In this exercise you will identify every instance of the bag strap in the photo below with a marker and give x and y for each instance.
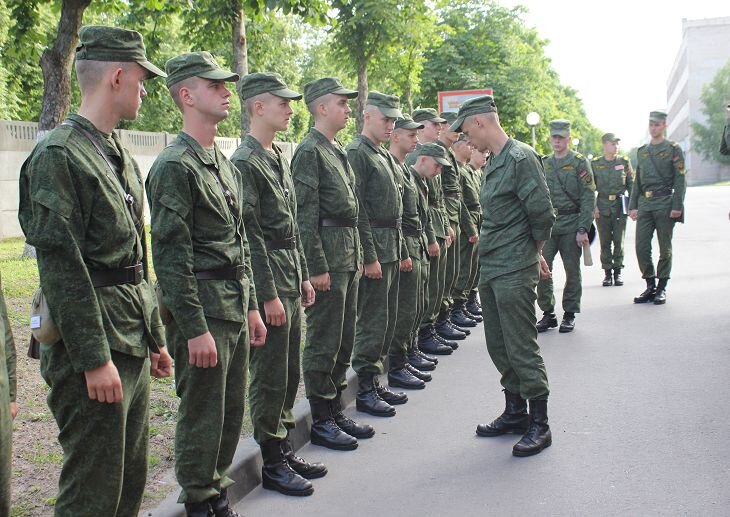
(656, 169)
(562, 185)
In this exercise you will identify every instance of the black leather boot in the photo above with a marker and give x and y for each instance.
(403, 378)
(538, 435)
(300, 465)
(617, 278)
(514, 419)
(476, 317)
(608, 279)
(460, 319)
(660, 296)
(444, 330)
(276, 474)
(368, 400)
(346, 423)
(568, 323)
(391, 397)
(201, 509)
(465, 330)
(429, 344)
(648, 294)
(221, 507)
(472, 304)
(453, 345)
(425, 377)
(419, 362)
(548, 321)
(325, 431)
(427, 357)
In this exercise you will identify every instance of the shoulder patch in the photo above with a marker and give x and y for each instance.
(578, 155)
(517, 153)
(596, 158)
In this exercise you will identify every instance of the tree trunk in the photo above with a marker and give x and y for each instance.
(362, 94)
(240, 55)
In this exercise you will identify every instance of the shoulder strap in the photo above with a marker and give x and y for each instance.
(562, 185)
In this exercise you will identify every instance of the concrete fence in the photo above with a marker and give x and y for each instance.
(17, 140)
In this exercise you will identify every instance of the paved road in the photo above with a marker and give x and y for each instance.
(639, 410)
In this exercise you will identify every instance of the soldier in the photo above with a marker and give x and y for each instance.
(8, 405)
(81, 206)
(282, 281)
(413, 279)
(572, 191)
(379, 192)
(614, 179)
(518, 217)
(725, 143)
(429, 341)
(327, 213)
(657, 202)
(477, 162)
(203, 266)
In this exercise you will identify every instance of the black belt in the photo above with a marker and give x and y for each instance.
(386, 223)
(289, 243)
(338, 223)
(453, 195)
(224, 273)
(568, 211)
(412, 232)
(474, 208)
(124, 275)
(658, 193)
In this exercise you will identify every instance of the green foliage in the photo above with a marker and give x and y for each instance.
(715, 97)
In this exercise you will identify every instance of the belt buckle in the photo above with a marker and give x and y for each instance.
(612, 197)
(138, 274)
(648, 194)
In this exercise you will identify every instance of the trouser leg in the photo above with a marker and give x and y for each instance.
(452, 272)
(619, 233)
(664, 233)
(645, 226)
(570, 254)
(436, 282)
(409, 292)
(605, 235)
(545, 296)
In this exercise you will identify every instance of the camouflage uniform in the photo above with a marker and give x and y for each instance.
(8, 387)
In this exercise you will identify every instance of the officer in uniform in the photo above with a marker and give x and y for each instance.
(572, 191)
(657, 202)
(614, 178)
(327, 213)
(203, 266)
(8, 405)
(518, 217)
(282, 281)
(379, 193)
(81, 206)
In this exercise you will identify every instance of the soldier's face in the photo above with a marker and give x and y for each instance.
(433, 169)
(478, 159)
(656, 128)
(610, 148)
(338, 110)
(277, 112)
(381, 126)
(405, 139)
(559, 143)
(210, 98)
(131, 89)
(475, 133)
(462, 151)
(430, 132)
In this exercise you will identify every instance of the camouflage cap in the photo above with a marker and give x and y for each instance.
(462, 138)
(429, 114)
(316, 89)
(101, 43)
(560, 127)
(406, 122)
(658, 116)
(449, 116)
(474, 106)
(609, 137)
(389, 105)
(196, 64)
(433, 150)
(266, 82)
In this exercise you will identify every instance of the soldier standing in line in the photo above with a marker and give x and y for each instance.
(614, 178)
(81, 206)
(327, 213)
(282, 281)
(8, 405)
(657, 203)
(477, 163)
(379, 193)
(725, 142)
(203, 266)
(572, 191)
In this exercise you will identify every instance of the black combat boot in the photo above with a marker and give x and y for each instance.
(424, 376)
(473, 305)
(400, 377)
(660, 296)
(617, 278)
(453, 345)
(446, 331)
(648, 294)
(276, 474)
(368, 400)
(325, 431)
(548, 321)
(391, 397)
(568, 323)
(221, 507)
(538, 435)
(514, 419)
(428, 343)
(454, 326)
(427, 357)
(419, 362)
(346, 423)
(201, 509)
(608, 279)
(476, 317)
(460, 319)
(300, 465)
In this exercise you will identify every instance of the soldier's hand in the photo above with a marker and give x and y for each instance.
(320, 282)
(474, 239)
(274, 311)
(160, 364)
(634, 214)
(13, 410)
(545, 272)
(675, 214)
(434, 250)
(406, 265)
(581, 239)
(307, 294)
(103, 383)
(202, 351)
(452, 236)
(256, 329)
(596, 213)
(373, 270)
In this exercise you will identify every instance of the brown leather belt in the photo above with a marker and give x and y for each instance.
(386, 223)
(658, 193)
(124, 275)
(568, 211)
(224, 273)
(289, 243)
(337, 223)
(412, 232)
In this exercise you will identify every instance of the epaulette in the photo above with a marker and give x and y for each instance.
(517, 153)
(596, 158)
(173, 152)
(579, 156)
(244, 152)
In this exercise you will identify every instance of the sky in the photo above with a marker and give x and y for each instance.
(618, 55)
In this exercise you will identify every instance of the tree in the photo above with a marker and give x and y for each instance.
(715, 97)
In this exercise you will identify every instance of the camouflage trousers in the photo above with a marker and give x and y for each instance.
(649, 222)
(570, 253)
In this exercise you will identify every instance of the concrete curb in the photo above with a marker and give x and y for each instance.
(246, 468)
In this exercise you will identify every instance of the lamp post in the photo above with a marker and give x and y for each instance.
(533, 119)
(575, 143)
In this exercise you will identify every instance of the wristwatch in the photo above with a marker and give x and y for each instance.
(581, 230)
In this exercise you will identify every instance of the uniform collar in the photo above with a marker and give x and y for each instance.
(199, 151)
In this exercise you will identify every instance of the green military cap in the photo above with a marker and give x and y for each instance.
(658, 116)
(433, 150)
(389, 105)
(266, 82)
(196, 64)
(448, 116)
(100, 43)
(316, 89)
(406, 122)
(429, 114)
(559, 127)
(462, 138)
(609, 137)
(474, 106)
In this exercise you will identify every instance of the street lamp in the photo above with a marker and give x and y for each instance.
(533, 119)
(575, 143)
